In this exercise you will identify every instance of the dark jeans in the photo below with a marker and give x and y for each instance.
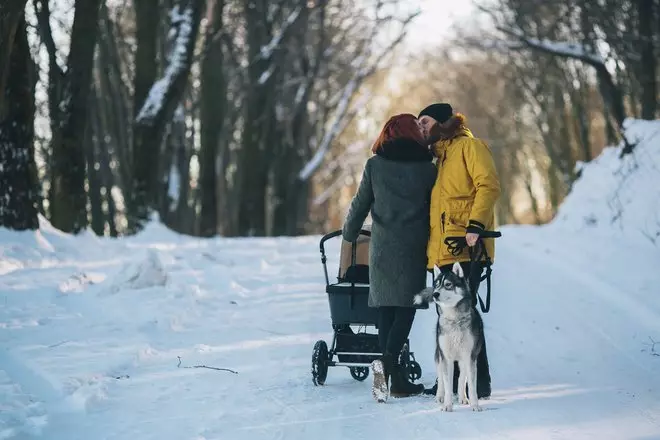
(483, 371)
(394, 324)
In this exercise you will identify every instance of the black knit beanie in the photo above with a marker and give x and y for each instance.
(440, 112)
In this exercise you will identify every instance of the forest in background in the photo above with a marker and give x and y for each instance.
(254, 117)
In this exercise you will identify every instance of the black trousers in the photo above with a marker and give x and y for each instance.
(394, 324)
(483, 371)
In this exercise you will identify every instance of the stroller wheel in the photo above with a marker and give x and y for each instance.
(414, 371)
(319, 362)
(359, 373)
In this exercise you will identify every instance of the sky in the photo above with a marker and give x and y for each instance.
(436, 19)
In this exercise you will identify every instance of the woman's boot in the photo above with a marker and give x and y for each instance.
(381, 370)
(401, 386)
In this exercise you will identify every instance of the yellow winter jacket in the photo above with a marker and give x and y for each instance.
(464, 194)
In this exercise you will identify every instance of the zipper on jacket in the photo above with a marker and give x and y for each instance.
(442, 219)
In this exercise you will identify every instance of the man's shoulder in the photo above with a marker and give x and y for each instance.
(473, 143)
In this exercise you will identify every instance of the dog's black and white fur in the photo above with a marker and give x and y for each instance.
(459, 333)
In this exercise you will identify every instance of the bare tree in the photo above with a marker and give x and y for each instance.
(68, 99)
(11, 12)
(213, 114)
(18, 177)
(646, 12)
(158, 109)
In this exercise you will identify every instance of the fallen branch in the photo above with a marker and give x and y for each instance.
(58, 344)
(205, 366)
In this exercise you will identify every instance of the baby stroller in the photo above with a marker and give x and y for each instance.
(348, 300)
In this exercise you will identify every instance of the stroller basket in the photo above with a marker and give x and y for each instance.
(349, 304)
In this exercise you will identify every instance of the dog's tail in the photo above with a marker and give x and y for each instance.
(423, 297)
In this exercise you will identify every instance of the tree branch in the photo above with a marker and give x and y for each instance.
(205, 366)
(362, 71)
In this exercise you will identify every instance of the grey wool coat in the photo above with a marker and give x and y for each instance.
(396, 188)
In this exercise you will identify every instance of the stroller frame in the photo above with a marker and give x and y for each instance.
(348, 302)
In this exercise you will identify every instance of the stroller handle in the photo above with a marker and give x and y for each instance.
(337, 233)
(490, 234)
(327, 237)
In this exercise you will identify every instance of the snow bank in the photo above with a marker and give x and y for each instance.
(620, 195)
(145, 272)
(45, 247)
(155, 233)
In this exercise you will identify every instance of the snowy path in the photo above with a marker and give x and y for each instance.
(91, 357)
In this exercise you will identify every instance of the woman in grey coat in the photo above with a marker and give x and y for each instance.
(396, 188)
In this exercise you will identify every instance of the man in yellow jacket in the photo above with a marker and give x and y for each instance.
(462, 203)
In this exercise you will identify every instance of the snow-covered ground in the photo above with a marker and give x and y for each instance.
(96, 336)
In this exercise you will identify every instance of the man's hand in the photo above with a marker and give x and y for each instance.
(471, 238)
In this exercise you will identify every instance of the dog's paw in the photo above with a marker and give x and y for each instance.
(477, 408)
(464, 400)
(440, 399)
(447, 407)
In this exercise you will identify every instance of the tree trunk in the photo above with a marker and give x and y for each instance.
(610, 130)
(213, 112)
(227, 210)
(175, 195)
(256, 126)
(93, 140)
(147, 14)
(183, 155)
(11, 12)
(565, 153)
(107, 175)
(158, 109)
(19, 187)
(147, 18)
(55, 83)
(69, 210)
(581, 115)
(648, 61)
(114, 103)
(292, 209)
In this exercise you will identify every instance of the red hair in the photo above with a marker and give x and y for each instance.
(397, 127)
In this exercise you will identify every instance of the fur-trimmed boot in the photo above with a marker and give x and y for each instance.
(381, 370)
(401, 386)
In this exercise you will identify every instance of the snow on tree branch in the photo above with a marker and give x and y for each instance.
(560, 48)
(346, 164)
(348, 158)
(337, 124)
(339, 183)
(267, 51)
(182, 25)
(495, 44)
(265, 76)
(612, 95)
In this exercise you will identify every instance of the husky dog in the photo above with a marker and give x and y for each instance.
(459, 333)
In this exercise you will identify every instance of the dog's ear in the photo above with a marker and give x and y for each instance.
(458, 270)
(436, 272)
(423, 297)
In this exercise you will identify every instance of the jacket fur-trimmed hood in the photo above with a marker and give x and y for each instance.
(456, 128)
